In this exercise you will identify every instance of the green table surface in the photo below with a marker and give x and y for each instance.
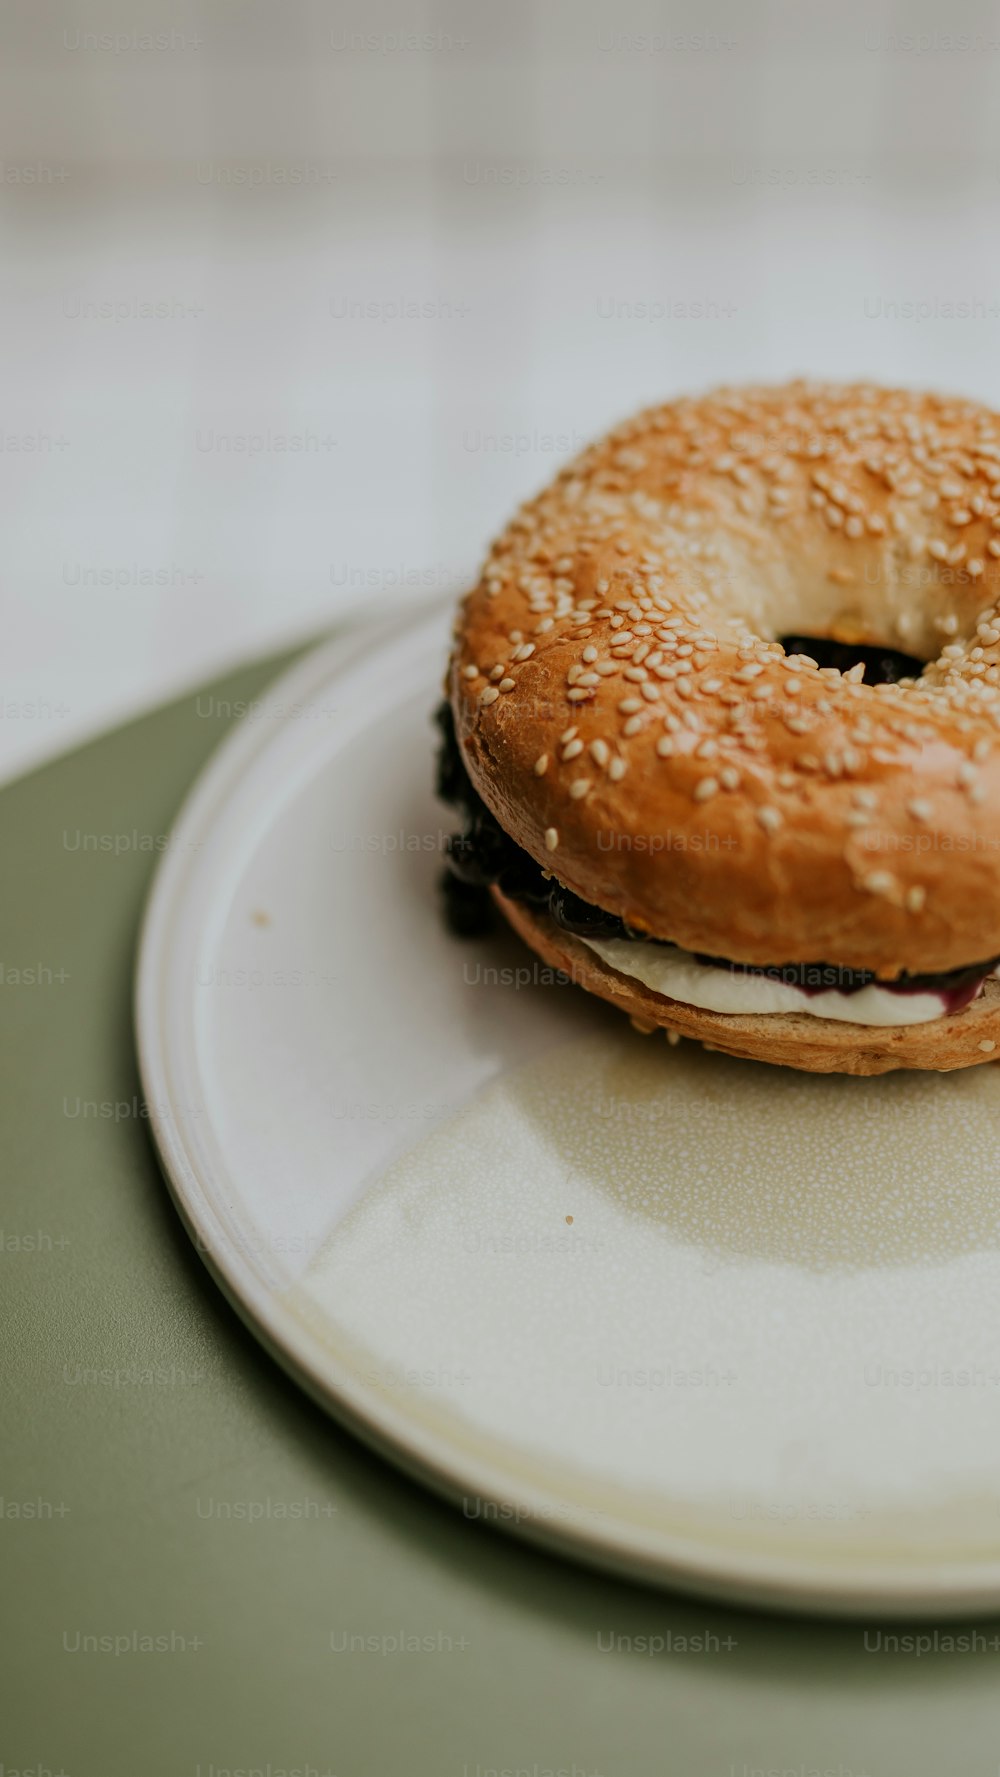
(186, 1541)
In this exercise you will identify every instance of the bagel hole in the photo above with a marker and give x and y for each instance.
(883, 665)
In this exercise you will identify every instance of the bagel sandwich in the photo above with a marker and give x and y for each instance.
(723, 726)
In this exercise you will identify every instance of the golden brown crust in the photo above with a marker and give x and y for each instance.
(814, 1045)
(625, 711)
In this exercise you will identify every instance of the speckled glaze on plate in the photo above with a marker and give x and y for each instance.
(705, 1322)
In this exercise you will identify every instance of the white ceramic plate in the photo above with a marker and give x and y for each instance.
(705, 1322)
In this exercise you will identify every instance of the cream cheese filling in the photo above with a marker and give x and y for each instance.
(680, 976)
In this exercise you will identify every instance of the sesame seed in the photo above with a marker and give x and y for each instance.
(879, 882)
(629, 705)
(551, 838)
(490, 694)
(987, 1045)
(769, 819)
(632, 726)
(571, 750)
(616, 770)
(664, 746)
(705, 788)
(920, 808)
(470, 672)
(579, 787)
(541, 764)
(506, 684)
(915, 898)
(600, 752)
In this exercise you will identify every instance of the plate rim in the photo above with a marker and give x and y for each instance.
(795, 1583)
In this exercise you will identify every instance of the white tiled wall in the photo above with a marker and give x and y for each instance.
(402, 260)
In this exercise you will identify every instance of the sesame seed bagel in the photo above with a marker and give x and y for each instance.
(626, 711)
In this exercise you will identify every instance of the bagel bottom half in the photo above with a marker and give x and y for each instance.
(789, 1039)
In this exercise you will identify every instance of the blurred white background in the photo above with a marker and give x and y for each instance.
(301, 298)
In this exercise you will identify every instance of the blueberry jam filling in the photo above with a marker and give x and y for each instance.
(483, 855)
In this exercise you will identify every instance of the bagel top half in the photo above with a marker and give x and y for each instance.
(626, 711)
